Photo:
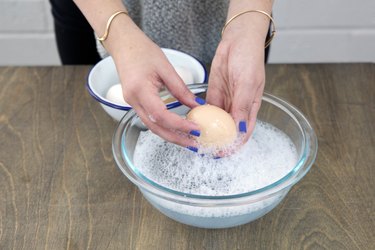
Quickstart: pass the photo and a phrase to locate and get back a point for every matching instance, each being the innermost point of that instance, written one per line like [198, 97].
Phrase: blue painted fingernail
[217, 157]
[242, 126]
[200, 100]
[196, 133]
[194, 149]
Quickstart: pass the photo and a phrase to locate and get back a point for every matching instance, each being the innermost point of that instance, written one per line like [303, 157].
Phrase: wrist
[123, 32]
[253, 24]
[255, 20]
[247, 26]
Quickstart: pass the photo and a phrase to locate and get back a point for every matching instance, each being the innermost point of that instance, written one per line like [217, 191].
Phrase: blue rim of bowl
[303, 158]
[112, 105]
[127, 108]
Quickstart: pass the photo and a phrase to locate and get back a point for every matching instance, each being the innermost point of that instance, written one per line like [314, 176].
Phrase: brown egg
[217, 127]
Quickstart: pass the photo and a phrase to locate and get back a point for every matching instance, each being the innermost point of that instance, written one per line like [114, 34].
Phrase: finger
[167, 134]
[242, 101]
[158, 113]
[252, 119]
[245, 106]
[215, 95]
[253, 115]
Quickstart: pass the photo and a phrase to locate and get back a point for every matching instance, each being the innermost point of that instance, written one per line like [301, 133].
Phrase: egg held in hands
[217, 127]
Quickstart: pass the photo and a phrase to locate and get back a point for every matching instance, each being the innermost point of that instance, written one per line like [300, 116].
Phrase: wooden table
[61, 189]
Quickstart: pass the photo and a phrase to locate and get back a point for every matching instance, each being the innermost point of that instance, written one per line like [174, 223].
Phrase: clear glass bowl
[220, 211]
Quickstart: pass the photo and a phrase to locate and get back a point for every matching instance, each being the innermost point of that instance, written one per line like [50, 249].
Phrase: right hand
[144, 70]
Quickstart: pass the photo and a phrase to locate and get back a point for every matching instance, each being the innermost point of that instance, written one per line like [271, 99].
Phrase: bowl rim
[304, 163]
[108, 103]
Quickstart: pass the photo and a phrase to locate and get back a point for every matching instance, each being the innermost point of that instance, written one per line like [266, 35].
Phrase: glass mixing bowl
[220, 211]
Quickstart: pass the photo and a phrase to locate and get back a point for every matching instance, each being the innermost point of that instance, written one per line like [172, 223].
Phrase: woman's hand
[144, 70]
[237, 74]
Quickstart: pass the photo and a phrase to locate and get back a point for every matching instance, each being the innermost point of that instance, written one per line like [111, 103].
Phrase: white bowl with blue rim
[104, 75]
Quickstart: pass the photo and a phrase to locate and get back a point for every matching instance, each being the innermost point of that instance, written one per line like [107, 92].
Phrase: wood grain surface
[61, 189]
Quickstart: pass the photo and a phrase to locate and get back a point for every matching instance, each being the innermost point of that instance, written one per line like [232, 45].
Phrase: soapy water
[268, 156]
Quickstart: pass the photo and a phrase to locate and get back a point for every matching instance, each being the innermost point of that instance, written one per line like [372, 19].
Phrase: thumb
[241, 107]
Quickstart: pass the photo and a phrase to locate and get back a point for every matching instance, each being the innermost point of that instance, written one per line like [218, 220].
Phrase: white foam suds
[267, 157]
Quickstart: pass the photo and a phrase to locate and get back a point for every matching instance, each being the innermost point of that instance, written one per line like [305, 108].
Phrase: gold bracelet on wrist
[110, 19]
[273, 30]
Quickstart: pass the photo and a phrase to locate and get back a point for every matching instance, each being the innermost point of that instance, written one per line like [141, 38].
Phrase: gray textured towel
[192, 26]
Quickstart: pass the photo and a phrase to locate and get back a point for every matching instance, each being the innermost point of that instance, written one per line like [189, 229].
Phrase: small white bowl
[104, 75]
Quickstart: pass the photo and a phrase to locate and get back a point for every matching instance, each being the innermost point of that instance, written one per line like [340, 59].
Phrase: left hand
[237, 77]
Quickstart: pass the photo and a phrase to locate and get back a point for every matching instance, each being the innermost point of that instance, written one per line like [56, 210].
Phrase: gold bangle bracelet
[273, 31]
[110, 19]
